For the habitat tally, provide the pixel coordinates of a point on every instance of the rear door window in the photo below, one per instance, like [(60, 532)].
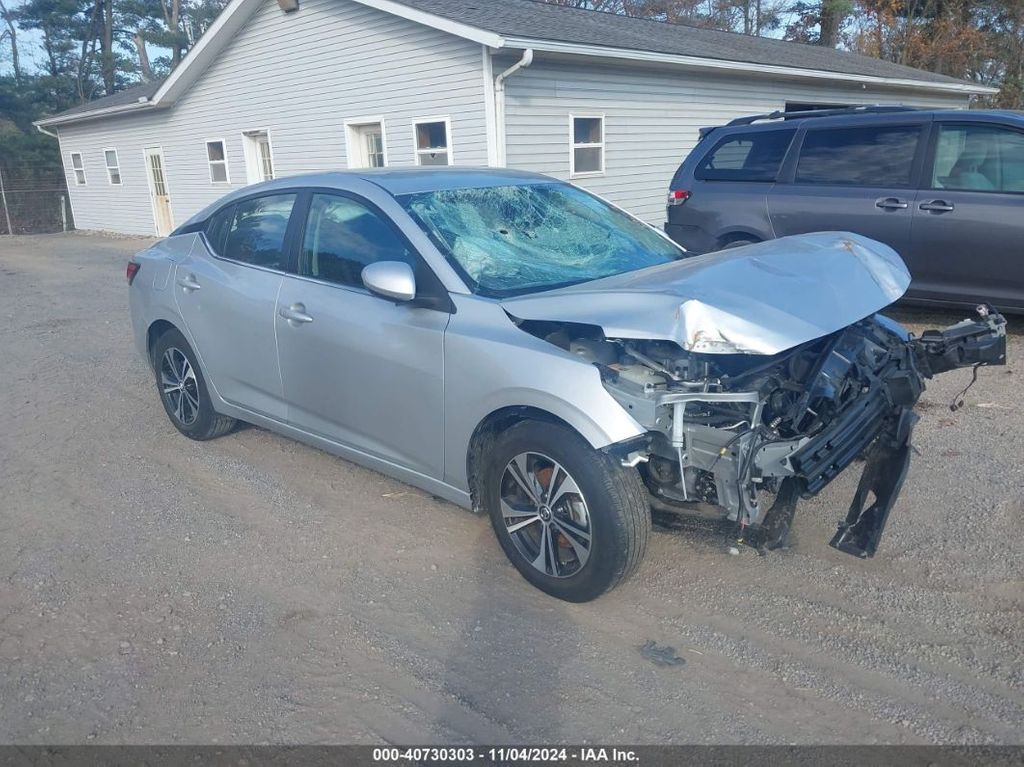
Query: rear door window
[(256, 234), (978, 158), (754, 156), (217, 228), (880, 155)]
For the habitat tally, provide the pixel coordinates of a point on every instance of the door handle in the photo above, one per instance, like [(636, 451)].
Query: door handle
[(891, 203), (189, 283), (296, 314), (939, 206)]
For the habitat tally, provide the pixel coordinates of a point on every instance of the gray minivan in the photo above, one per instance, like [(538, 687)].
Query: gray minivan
[(945, 189)]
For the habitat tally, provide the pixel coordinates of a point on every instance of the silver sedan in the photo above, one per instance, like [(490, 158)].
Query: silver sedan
[(521, 347)]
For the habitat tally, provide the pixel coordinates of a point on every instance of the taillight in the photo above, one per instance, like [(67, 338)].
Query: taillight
[(131, 271), (678, 196)]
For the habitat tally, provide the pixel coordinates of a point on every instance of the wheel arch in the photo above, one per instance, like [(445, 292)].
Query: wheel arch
[(483, 437), (727, 238), (156, 329)]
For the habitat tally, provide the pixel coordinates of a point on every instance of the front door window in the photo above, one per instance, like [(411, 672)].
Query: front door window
[(978, 158)]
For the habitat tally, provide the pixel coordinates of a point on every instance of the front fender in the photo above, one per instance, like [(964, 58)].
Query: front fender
[(490, 364)]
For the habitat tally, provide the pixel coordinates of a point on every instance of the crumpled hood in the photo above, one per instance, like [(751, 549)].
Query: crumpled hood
[(756, 299)]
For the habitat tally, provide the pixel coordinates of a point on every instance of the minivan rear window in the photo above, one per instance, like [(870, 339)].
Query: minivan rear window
[(754, 156), (881, 155)]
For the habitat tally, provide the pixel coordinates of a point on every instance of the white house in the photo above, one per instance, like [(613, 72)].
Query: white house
[(279, 87)]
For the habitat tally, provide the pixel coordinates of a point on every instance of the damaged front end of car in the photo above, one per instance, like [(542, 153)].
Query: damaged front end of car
[(754, 433)]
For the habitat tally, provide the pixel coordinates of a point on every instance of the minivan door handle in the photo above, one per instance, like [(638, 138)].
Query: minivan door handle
[(891, 203), (295, 314), (939, 206)]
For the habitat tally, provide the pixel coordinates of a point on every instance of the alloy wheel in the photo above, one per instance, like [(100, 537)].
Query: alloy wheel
[(178, 384), (545, 514)]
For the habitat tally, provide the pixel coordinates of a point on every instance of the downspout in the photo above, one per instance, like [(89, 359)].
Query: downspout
[(60, 151), (499, 101)]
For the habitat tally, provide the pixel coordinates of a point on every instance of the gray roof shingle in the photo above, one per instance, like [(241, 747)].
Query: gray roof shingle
[(538, 20), (544, 21), (120, 98)]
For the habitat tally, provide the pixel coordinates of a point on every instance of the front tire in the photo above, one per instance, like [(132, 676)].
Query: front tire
[(572, 520), (183, 392)]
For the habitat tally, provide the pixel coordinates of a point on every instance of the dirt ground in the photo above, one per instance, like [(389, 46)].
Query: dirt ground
[(252, 589)]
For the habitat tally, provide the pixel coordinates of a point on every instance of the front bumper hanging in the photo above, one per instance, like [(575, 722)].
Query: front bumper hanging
[(880, 429), (971, 343)]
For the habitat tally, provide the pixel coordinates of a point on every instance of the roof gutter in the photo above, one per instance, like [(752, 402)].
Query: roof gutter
[(80, 116), (499, 102), (697, 62)]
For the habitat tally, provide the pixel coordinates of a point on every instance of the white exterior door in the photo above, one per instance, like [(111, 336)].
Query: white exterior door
[(162, 215), (259, 156), (366, 144)]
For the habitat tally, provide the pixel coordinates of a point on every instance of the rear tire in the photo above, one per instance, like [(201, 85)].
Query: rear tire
[(572, 520), (183, 392)]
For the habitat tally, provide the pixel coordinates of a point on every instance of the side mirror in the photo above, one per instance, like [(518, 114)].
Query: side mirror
[(390, 279)]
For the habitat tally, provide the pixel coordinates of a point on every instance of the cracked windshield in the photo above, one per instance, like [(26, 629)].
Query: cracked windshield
[(509, 240)]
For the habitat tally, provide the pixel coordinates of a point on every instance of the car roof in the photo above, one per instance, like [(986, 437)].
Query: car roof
[(780, 120), (399, 181), (394, 181)]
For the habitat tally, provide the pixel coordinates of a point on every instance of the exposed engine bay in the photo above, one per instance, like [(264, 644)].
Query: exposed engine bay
[(752, 434)]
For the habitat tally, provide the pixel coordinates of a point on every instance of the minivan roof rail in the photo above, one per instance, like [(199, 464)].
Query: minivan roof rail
[(782, 115)]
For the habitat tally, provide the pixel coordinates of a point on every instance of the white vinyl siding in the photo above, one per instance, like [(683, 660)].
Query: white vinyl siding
[(113, 167), (299, 76), (651, 119)]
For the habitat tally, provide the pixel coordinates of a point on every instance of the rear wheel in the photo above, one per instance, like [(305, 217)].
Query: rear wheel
[(182, 389), (572, 519)]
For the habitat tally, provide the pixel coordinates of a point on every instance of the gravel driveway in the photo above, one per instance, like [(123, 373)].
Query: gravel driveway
[(252, 589)]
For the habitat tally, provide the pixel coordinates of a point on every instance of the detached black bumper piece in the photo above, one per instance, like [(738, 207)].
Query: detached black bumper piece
[(882, 480), (971, 343)]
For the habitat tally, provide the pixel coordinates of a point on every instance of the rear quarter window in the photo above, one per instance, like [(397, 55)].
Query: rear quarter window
[(754, 156)]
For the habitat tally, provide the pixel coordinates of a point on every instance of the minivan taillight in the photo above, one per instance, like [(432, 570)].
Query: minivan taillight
[(678, 196), (131, 271)]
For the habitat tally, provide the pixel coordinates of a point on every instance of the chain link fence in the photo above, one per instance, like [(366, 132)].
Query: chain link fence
[(34, 199)]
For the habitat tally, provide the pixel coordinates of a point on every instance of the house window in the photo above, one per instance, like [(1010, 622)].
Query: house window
[(366, 144), (259, 156), (113, 167), (433, 141), (217, 157), (587, 158), (78, 166)]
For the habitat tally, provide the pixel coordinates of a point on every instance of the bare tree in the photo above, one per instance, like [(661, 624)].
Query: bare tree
[(10, 34)]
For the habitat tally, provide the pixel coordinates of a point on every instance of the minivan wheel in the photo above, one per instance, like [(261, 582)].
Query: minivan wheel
[(182, 389), (572, 519)]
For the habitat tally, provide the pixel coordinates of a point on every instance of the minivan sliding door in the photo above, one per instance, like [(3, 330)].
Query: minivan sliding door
[(858, 179)]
